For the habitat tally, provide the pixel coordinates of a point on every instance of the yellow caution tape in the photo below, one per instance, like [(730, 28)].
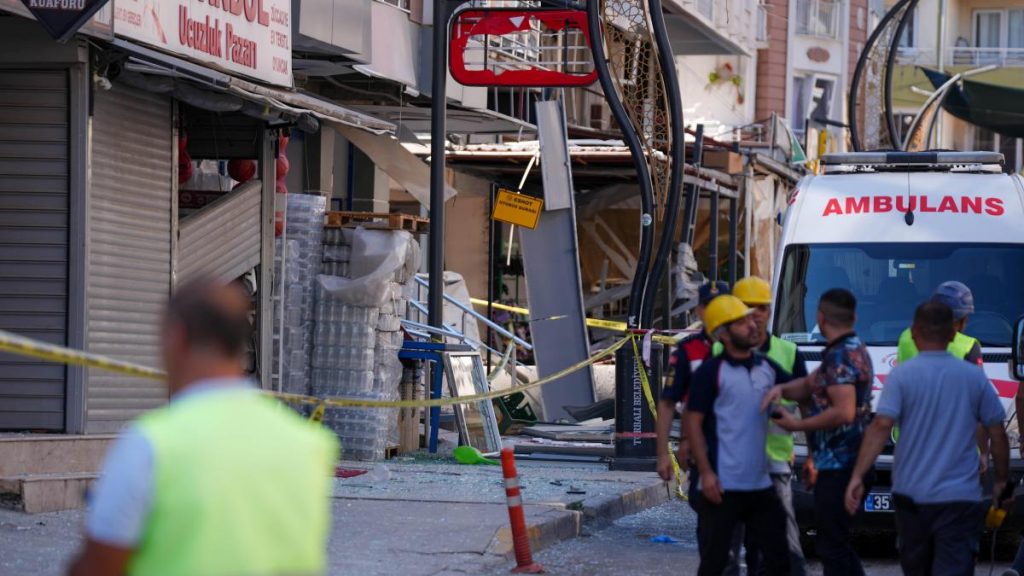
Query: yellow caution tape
[(318, 413), (35, 349), (591, 322), (654, 410)]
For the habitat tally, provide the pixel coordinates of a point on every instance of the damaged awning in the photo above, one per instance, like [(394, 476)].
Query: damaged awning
[(216, 91), (996, 108)]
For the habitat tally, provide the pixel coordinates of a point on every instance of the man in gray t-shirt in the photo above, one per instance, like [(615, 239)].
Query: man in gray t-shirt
[(938, 401)]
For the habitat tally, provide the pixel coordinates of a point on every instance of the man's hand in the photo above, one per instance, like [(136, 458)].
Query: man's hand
[(664, 466), (772, 396), (785, 420), (810, 473), (710, 487), (854, 494), (997, 490)]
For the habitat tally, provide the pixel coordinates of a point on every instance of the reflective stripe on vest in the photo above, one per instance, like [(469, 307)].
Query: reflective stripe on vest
[(779, 444), (960, 347), (240, 486)]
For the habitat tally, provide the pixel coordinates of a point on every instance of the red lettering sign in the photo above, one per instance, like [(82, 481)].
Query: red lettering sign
[(902, 204)]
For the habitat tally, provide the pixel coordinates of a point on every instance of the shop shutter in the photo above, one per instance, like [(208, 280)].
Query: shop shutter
[(129, 244), (222, 240), (33, 242)]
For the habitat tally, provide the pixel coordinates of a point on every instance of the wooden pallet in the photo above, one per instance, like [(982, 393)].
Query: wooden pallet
[(392, 451), (378, 221)]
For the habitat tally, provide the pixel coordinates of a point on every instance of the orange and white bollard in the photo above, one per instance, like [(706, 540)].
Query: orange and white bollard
[(516, 517)]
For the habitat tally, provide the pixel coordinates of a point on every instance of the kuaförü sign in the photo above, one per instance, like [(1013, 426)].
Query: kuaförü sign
[(62, 18)]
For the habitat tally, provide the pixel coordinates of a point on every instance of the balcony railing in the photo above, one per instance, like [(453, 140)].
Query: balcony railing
[(974, 57), (817, 18)]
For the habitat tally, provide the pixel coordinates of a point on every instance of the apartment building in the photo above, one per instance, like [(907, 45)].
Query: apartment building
[(954, 36), (805, 62)]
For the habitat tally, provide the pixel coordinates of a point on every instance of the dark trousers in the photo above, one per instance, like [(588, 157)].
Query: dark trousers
[(838, 558), (764, 518), (938, 539)]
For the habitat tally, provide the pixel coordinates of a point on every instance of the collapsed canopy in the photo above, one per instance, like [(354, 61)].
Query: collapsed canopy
[(997, 108)]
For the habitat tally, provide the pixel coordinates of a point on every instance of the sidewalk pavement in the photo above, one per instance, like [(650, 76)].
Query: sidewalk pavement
[(411, 516)]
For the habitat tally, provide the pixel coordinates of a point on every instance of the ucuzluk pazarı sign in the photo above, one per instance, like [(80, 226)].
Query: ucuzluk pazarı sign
[(62, 18), (249, 37)]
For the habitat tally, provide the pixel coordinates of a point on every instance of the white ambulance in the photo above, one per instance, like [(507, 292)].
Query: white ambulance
[(890, 227)]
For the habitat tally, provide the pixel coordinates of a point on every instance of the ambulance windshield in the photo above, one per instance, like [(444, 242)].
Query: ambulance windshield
[(891, 279)]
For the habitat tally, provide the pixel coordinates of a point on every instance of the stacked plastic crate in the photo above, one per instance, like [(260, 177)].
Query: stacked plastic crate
[(297, 262), (356, 345)]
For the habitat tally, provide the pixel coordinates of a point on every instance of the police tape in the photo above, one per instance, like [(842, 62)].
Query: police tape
[(15, 344), (652, 405)]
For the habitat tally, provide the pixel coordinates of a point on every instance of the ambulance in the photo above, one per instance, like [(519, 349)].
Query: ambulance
[(890, 227)]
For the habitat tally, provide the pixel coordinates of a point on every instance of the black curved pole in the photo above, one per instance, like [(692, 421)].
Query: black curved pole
[(890, 119), (636, 150), (675, 104), (858, 73)]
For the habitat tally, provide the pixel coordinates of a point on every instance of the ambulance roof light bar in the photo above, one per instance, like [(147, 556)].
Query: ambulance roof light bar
[(913, 160)]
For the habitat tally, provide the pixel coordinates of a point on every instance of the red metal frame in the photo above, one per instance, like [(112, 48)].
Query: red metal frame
[(470, 23)]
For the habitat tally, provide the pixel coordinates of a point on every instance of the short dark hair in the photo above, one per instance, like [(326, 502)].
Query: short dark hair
[(211, 316), (839, 306), (933, 322)]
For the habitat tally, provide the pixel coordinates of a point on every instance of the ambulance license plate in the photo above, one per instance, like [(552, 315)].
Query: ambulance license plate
[(878, 502)]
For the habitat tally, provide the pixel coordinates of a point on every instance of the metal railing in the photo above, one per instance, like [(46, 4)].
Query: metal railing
[(970, 56), (817, 18)]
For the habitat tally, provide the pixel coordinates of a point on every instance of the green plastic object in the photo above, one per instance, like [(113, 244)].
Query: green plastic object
[(514, 410), (470, 455)]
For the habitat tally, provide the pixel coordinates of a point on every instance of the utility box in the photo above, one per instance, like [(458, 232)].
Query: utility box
[(724, 160)]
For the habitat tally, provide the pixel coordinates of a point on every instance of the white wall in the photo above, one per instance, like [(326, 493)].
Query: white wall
[(716, 106)]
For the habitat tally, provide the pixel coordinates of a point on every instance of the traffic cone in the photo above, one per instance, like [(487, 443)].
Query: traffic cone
[(516, 517)]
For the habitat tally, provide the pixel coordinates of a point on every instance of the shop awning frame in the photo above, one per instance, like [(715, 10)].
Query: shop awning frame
[(304, 109)]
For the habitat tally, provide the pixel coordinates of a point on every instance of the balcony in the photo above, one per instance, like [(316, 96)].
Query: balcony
[(818, 18), (977, 57)]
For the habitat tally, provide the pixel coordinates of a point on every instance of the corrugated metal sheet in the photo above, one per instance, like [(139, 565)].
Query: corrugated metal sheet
[(129, 244), (222, 240), (33, 242)]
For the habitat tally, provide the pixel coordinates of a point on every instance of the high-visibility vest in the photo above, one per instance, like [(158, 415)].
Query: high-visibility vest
[(241, 485), (960, 347), (906, 349), (779, 444)]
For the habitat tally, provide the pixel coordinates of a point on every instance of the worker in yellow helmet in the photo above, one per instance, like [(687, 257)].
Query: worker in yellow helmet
[(756, 293), (224, 479), (728, 432)]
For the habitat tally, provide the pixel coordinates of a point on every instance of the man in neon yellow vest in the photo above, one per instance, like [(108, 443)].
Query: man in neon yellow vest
[(223, 480), (959, 298), (757, 294)]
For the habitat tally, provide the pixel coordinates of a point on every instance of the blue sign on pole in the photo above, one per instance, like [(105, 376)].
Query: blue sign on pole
[(62, 18)]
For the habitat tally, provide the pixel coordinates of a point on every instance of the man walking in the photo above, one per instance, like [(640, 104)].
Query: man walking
[(223, 480), (727, 431), (840, 401), (939, 509)]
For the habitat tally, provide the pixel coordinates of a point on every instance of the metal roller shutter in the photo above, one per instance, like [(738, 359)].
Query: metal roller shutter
[(33, 242), (129, 271), (222, 240)]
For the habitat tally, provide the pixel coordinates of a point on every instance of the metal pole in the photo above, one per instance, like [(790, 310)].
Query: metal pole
[(435, 295), (733, 216), (490, 270), (713, 240)]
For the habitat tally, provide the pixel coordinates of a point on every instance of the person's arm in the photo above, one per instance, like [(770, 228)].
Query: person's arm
[(990, 415), (841, 411), (875, 439), (701, 402), (118, 510), (710, 486), (666, 412), (797, 390), (981, 435), (1018, 401)]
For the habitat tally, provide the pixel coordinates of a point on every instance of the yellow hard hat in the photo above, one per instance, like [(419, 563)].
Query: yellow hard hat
[(723, 310), (753, 291)]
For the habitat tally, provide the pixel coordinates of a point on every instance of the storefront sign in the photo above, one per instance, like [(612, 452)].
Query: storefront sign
[(62, 18), (248, 37), (100, 24), (518, 209)]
